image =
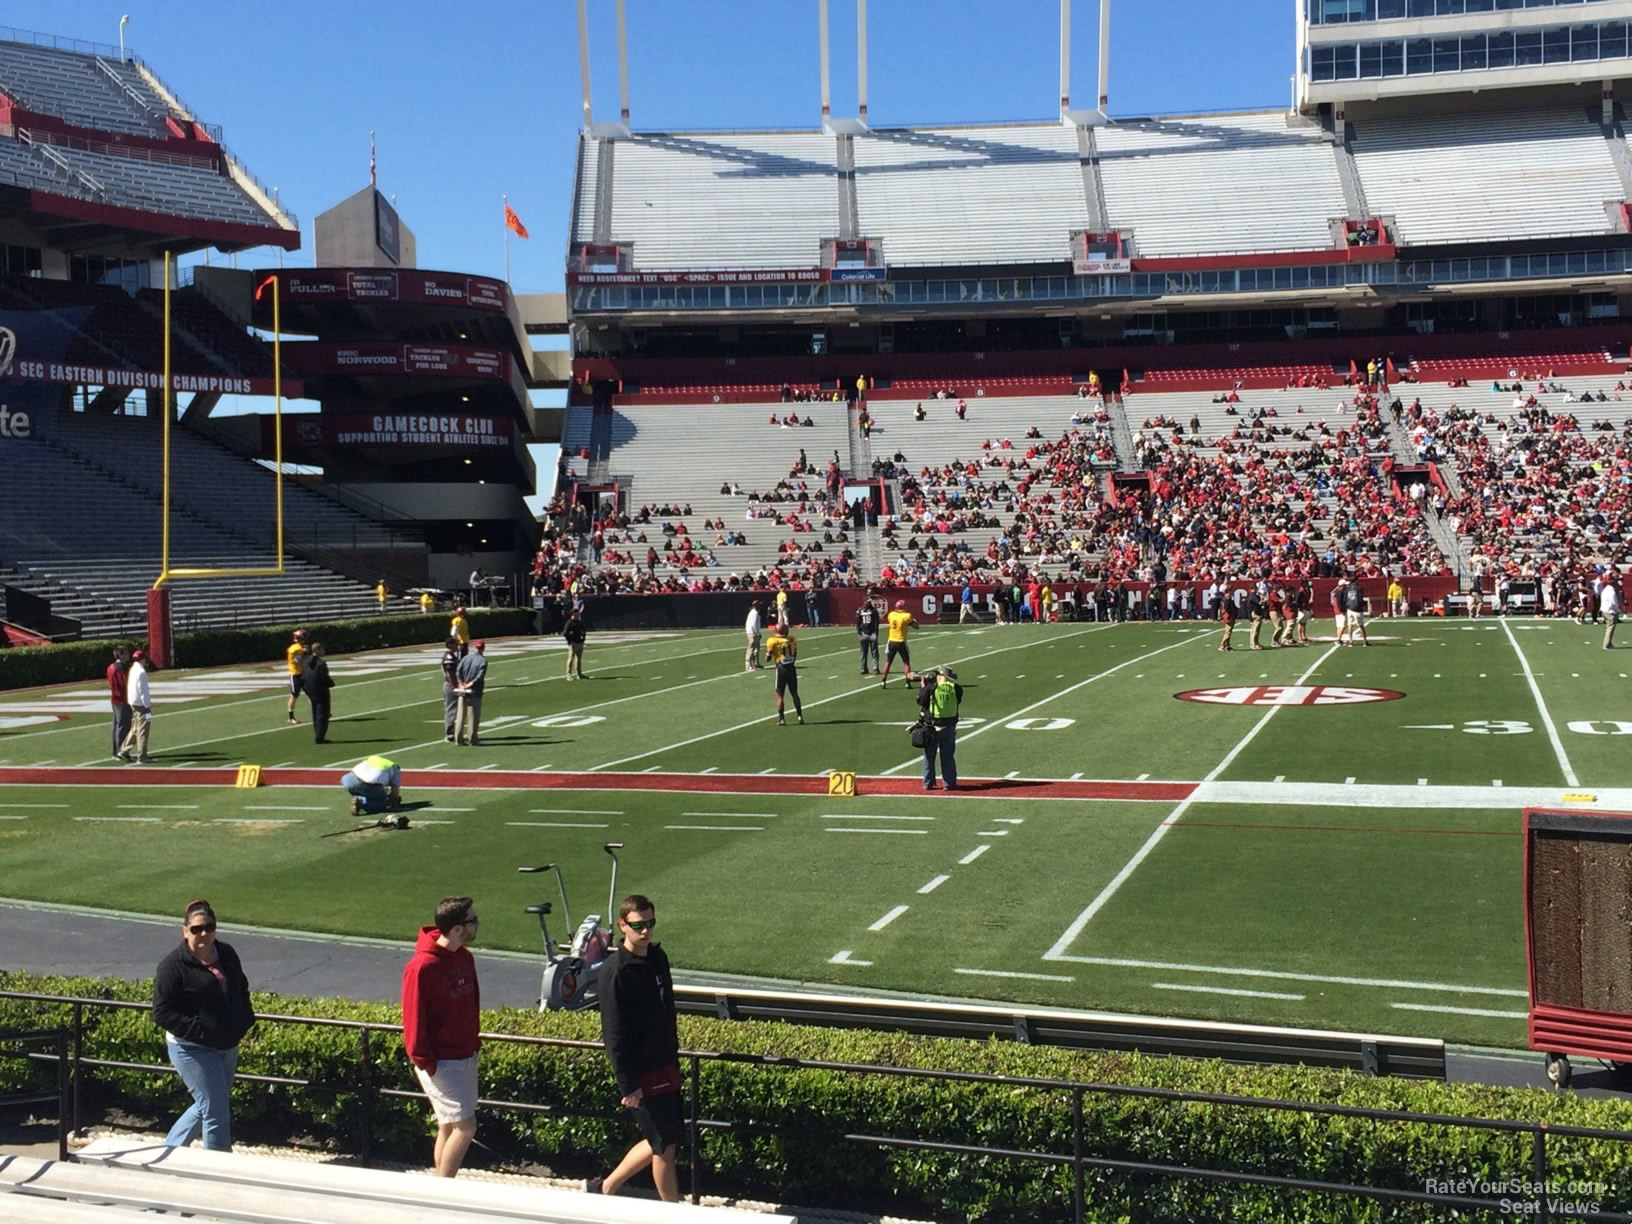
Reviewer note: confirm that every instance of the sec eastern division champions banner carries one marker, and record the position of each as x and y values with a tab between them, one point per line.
32	347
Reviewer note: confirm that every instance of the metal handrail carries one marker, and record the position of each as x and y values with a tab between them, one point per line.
1078	1160
58	1039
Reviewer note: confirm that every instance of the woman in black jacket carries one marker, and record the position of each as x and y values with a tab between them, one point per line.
201	1001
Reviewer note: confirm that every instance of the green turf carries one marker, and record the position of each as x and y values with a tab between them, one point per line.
1418	905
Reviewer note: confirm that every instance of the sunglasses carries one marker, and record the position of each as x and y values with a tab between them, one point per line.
203	928
635	925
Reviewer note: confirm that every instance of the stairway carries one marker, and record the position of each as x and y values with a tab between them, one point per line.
1121	434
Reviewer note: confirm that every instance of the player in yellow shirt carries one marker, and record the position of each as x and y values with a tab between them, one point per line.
1396	598
782	652
295	660
899	621
459	628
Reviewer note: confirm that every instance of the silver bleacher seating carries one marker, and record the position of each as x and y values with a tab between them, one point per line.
72	87
1488	176
1220	183
1000	194
723	201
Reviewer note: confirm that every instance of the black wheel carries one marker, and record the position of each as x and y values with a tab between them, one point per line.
1558	1070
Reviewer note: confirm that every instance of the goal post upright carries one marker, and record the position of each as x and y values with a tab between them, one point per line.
160	632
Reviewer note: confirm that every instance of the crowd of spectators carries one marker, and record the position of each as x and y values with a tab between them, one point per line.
1545	497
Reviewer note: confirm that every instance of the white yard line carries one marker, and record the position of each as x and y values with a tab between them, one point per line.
158	807
1013	973
888	918
549	824
568	811
258	820
1119	962
809	705
1226	990
917	832
933	885
1541	706
1160	831
268	807
1461	1011
859	816
118	819
1024	710
733	815
719	828
972	855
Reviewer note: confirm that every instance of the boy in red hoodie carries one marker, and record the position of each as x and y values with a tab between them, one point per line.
440	1006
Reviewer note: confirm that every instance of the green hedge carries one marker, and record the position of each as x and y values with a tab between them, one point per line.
783	1161
68	662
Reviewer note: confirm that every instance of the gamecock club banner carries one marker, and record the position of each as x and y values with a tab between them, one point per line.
445	431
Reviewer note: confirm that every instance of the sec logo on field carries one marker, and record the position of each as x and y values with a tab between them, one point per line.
1289	695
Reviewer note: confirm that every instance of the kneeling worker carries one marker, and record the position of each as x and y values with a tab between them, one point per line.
374	785
783	652
939	697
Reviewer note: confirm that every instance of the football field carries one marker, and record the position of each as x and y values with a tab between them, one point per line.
1322	836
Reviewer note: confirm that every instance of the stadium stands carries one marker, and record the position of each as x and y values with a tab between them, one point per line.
116	1179
1488	176
723	201
90	527
674	455
971	195
183	187
85	90
583	203
1541	471
1220	183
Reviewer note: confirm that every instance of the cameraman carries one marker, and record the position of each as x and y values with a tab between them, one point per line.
939	696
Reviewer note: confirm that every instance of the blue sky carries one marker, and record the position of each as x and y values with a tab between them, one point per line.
474	101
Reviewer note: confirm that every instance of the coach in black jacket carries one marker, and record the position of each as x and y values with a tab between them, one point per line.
643	1043
201	1001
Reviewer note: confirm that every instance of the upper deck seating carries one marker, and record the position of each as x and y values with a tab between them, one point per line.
724	201
1220	184
1488	176
971	195
73	87
183	188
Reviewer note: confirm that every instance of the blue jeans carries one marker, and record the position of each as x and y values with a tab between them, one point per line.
944	740
376	796
208	1073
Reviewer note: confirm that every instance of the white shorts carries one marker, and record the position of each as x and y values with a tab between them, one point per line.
1354	620
452	1089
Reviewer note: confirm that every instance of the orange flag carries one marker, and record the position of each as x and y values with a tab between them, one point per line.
513	222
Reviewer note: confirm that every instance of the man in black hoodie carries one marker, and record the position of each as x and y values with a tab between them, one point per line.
643	1043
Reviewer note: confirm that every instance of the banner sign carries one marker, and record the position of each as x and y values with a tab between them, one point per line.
385	358
406	286
1100	267
861	274
732	276
457	431
33	347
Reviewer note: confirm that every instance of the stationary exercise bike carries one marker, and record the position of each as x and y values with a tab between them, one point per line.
571	979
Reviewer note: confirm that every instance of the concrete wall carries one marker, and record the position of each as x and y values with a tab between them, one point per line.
344	236
450	501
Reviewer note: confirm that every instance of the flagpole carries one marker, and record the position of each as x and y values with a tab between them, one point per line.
506	214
